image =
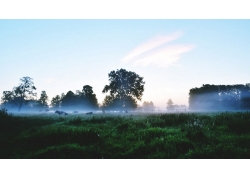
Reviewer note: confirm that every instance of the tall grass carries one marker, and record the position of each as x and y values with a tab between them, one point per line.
189	135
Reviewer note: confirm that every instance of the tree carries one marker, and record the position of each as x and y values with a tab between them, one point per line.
111	103
125	86
56	101
220	97
85	99
20	95
170	104
148	106
89	97
24	92
7	97
68	100
43	101
87	91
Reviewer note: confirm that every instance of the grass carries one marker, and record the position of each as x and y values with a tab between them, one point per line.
138	136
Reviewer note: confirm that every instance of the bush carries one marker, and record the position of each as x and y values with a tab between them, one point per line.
4	113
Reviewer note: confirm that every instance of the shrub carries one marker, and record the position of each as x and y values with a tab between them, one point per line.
4	113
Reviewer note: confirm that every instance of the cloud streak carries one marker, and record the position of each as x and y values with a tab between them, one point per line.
156	52
50	80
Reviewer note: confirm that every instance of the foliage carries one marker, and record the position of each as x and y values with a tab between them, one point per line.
148	106
3	113
85	99
172	135
113	103
43	100
220	97
124	86
170	105
56	101
20	95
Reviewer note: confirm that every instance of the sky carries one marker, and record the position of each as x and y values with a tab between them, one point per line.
172	56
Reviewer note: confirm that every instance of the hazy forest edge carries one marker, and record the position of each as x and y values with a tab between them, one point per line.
124	90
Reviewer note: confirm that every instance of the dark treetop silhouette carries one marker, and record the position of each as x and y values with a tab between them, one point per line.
43	100
20	95
220	97
85	99
124	88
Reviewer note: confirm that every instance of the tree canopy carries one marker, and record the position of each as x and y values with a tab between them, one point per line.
148	106
125	87
43	100
85	99
21	94
220	97
170	105
113	103
56	101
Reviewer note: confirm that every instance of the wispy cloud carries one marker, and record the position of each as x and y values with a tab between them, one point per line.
157	52
50	80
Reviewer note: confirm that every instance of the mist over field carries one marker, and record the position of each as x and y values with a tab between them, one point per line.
125	89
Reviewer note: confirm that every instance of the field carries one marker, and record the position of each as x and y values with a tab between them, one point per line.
224	135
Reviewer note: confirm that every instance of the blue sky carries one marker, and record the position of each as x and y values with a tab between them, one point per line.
173	56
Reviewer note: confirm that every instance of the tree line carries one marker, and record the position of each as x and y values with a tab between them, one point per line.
220	97
124	88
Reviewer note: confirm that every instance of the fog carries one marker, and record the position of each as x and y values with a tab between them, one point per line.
220	98
208	98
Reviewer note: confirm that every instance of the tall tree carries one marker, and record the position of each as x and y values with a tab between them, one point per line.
125	86
85	99
68	100
56	101
89	97
111	103
220	97
170	105
7	97
148	106
22	94
43	100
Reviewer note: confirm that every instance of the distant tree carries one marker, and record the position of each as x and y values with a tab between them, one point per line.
139	108
148	106
111	103
87	91
170	105
85	99
170	102
20	95
220	97
7	97
56	101
43	100
89	97
68	100
62	95
125	87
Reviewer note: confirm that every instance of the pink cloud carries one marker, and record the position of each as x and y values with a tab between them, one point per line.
157	52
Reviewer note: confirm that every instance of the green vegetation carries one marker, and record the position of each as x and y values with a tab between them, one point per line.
189	135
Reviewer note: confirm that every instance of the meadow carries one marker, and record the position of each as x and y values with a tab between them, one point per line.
214	135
